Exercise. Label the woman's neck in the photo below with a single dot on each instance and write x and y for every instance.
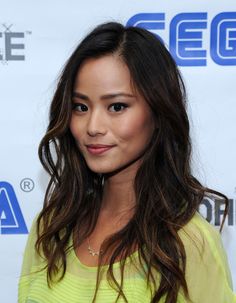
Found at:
(118, 190)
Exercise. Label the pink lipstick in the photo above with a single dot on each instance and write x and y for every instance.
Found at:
(98, 149)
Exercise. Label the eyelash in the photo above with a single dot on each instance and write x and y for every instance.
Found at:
(76, 105)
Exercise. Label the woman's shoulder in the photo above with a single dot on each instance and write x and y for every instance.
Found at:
(200, 229)
(31, 257)
(206, 262)
(32, 237)
(203, 240)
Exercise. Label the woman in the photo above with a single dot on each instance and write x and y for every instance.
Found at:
(120, 220)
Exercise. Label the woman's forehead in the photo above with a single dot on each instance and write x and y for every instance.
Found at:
(108, 72)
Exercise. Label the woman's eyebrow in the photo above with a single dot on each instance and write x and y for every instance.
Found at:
(103, 97)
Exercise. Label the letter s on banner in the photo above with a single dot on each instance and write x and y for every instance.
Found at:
(154, 21)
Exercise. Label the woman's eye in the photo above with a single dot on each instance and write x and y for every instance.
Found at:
(118, 106)
(79, 107)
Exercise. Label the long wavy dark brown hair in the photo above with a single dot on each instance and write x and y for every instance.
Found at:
(167, 194)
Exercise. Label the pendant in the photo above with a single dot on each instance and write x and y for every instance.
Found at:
(93, 253)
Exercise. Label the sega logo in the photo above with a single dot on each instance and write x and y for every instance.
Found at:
(11, 218)
(186, 36)
(9, 43)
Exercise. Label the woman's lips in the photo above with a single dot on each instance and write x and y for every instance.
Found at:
(96, 150)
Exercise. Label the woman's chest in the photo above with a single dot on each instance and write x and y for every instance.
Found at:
(80, 290)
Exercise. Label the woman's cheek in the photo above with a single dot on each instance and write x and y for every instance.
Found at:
(125, 132)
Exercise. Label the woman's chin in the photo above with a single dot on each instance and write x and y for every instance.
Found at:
(100, 170)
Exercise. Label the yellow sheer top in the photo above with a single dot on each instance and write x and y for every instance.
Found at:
(207, 273)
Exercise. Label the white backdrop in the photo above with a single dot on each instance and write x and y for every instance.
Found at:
(36, 39)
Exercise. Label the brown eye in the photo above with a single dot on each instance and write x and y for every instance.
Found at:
(79, 107)
(118, 106)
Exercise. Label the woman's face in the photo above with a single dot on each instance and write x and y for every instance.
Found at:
(106, 111)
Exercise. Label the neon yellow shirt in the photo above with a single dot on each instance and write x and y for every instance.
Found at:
(208, 278)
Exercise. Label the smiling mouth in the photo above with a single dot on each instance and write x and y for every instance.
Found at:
(98, 149)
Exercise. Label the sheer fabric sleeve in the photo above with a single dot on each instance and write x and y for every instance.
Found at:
(31, 263)
(207, 270)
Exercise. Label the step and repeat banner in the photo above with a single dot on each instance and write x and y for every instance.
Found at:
(36, 38)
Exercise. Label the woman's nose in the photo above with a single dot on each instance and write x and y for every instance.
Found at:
(96, 123)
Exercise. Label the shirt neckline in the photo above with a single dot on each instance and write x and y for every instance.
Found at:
(94, 268)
